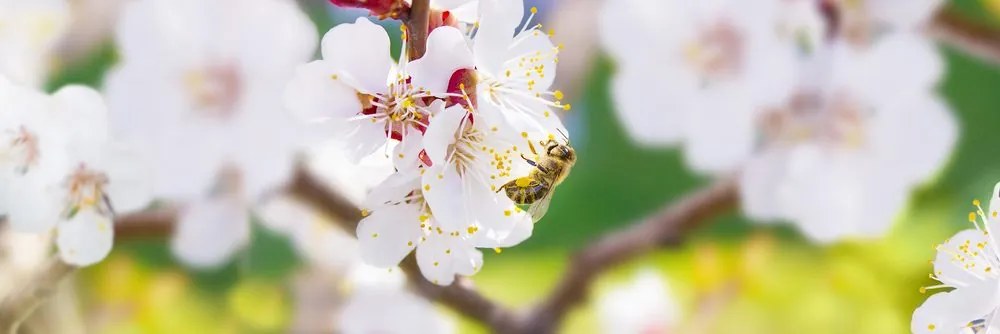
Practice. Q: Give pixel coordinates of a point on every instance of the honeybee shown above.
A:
(550, 170)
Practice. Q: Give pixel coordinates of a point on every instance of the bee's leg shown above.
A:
(533, 164)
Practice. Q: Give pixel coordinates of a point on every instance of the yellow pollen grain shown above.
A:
(427, 187)
(524, 134)
(334, 77)
(559, 95)
(423, 218)
(923, 290)
(497, 250)
(931, 327)
(447, 251)
(534, 10)
(365, 212)
(972, 216)
(567, 107)
(374, 235)
(506, 213)
(409, 243)
(400, 155)
(975, 202)
(440, 176)
(436, 263)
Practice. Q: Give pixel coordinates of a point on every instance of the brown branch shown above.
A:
(667, 227)
(19, 305)
(417, 25)
(953, 29)
(155, 223)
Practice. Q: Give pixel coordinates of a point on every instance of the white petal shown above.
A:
(361, 51)
(86, 238)
(651, 121)
(721, 133)
(443, 256)
(954, 272)
(211, 231)
(498, 20)
(760, 182)
(314, 95)
(129, 186)
(445, 190)
(903, 14)
(36, 202)
(442, 132)
(920, 145)
(389, 234)
(447, 52)
(390, 311)
(884, 79)
(947, 312)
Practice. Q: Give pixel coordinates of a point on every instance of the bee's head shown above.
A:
(561, 152)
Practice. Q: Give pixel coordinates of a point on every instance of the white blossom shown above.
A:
(29, 31)
(967, 264)
(515, 67)
(643, 306)
(368, 98)
(60, 169)
(379, 303)
(199, 89)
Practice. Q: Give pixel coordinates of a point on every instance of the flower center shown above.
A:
(215, 89)
(402, 108)
(85, 188)
(23, 152)
(839, 121)
(716, 51)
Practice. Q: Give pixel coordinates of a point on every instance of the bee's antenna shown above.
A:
(565, 136)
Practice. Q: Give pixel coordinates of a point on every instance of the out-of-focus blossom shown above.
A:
(643, 306)
(29, 31)
(783, 91)
(21, 254)
(697, 73)
(199, 88)
(380, 303)
(836, 158)
(59, 169)
(967, 263)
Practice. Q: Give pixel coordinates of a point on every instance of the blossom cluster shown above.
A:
(59, 169)
(460, 122)
(808, 99)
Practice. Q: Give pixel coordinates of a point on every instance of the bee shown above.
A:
(552, 167)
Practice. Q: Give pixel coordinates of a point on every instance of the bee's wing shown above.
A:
(540, 207)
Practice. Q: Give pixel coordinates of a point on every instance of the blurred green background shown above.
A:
(731, 276)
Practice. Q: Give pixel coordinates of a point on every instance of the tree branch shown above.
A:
(953, 29)
(667, 227)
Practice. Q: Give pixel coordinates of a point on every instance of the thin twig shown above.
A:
(155, 223)
(665, 228)
(417, 24)
(953, 29)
